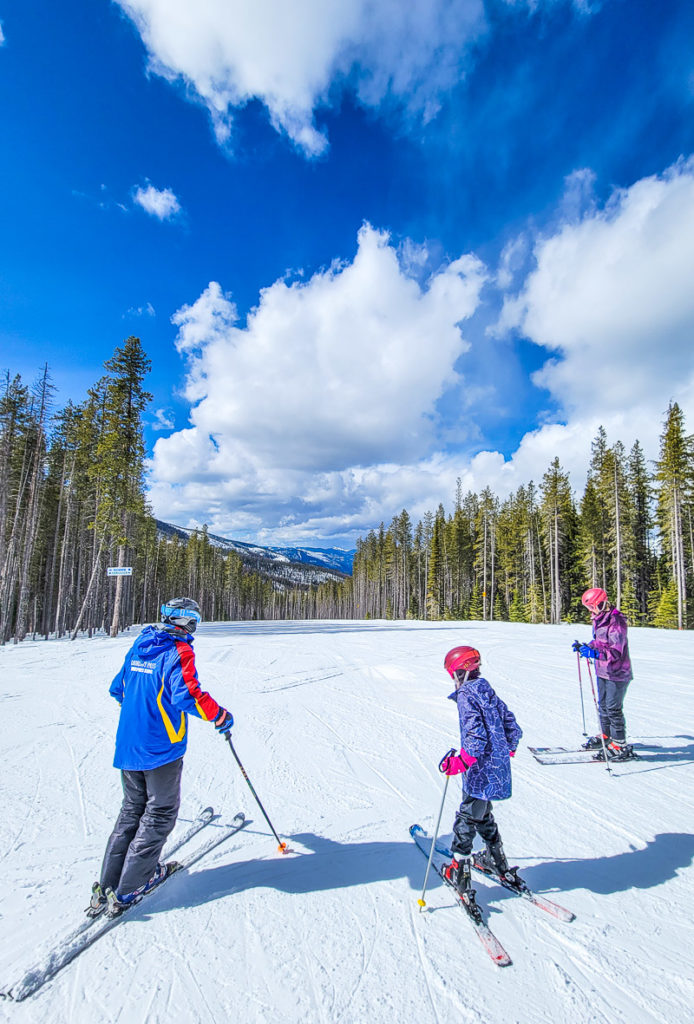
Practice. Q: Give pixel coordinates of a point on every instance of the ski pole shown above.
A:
(421, 901)
(580, 687)
(597, 712)
(282, 846)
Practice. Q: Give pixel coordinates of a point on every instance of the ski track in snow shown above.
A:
(340, 726)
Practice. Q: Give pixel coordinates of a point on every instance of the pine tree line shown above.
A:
(72, 503)
(530, 557)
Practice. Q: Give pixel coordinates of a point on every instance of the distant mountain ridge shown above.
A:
(329, 559)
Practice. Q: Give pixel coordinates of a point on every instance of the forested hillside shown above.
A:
(73, 502)
(529, 557)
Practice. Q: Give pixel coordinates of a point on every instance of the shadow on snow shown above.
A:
(332, 865)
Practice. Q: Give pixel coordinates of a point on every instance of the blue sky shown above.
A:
(369, 248)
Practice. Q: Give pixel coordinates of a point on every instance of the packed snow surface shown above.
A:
(340, 726)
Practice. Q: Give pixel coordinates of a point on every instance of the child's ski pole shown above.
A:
(597, 712)
(282, 846)
(580, 687)
(421, 901)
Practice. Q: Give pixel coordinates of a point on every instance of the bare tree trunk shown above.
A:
(484, 570)
(95, 567)
(618, 536)
(115, 621)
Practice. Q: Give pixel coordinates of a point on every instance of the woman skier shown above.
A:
(610, 649)
(489, 736)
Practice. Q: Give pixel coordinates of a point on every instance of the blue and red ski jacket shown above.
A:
(157, 688)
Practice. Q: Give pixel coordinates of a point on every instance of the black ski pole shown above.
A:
(580, 686)
(282, 847)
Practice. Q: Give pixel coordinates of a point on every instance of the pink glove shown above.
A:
(455, 764)
(511, 753)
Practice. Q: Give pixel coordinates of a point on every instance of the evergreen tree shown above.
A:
(675, 477)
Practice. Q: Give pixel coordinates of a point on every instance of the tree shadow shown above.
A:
(658, 862)
(652, 753)
(333, 865)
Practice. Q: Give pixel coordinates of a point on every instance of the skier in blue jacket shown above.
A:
(157, 688)
(489, 736)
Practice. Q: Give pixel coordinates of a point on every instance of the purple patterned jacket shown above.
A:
(610, 640)
(488, 732)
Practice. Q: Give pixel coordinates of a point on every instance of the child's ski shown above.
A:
(520, 888)
(80, 939)
(473, 912)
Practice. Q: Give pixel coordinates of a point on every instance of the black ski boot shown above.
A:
(616, 751)
(458, 874)
(595, 742)
(97, 901)
(459, 877)
(493, 860)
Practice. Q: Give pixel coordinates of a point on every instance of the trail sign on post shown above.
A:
(119, 570)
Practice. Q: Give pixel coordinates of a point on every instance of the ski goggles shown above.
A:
(180, 614)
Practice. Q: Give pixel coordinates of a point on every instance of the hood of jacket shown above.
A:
(153, 641)
(478, 688)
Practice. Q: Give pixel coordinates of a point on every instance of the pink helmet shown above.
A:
(461, 659)
(594, 599)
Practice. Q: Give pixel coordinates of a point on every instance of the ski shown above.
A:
(520, 888)
(197, 825)
(565, 755)
(473, 912)
(561, 755)
(560, 750)
(81, 938)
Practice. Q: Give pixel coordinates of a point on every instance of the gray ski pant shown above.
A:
(147, 816)
(474, 815)
(610, 701)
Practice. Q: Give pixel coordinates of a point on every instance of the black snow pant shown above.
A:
(473, 816)
(147, 816)
(610, 701)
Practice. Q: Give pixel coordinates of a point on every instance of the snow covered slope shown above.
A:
(340, 726)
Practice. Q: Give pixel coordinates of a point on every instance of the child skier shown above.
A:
(489, 735)
(157, 687)
(610, 649)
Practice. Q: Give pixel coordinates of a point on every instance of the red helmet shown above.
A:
(461, 659)
(594, 599)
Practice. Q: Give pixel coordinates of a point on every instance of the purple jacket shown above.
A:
(488, 731)
(610, 640)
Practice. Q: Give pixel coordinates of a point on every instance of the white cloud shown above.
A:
(2, 36)
(160, 203)
(163, 420)
(340, 372)
(318, 419)
(297, 57)
(612, 298)
(147, 310)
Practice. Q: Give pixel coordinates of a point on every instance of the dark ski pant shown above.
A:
(610, 701)
(148, 814)
(473, 816)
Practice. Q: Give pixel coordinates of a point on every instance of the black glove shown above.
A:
(224, 721)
